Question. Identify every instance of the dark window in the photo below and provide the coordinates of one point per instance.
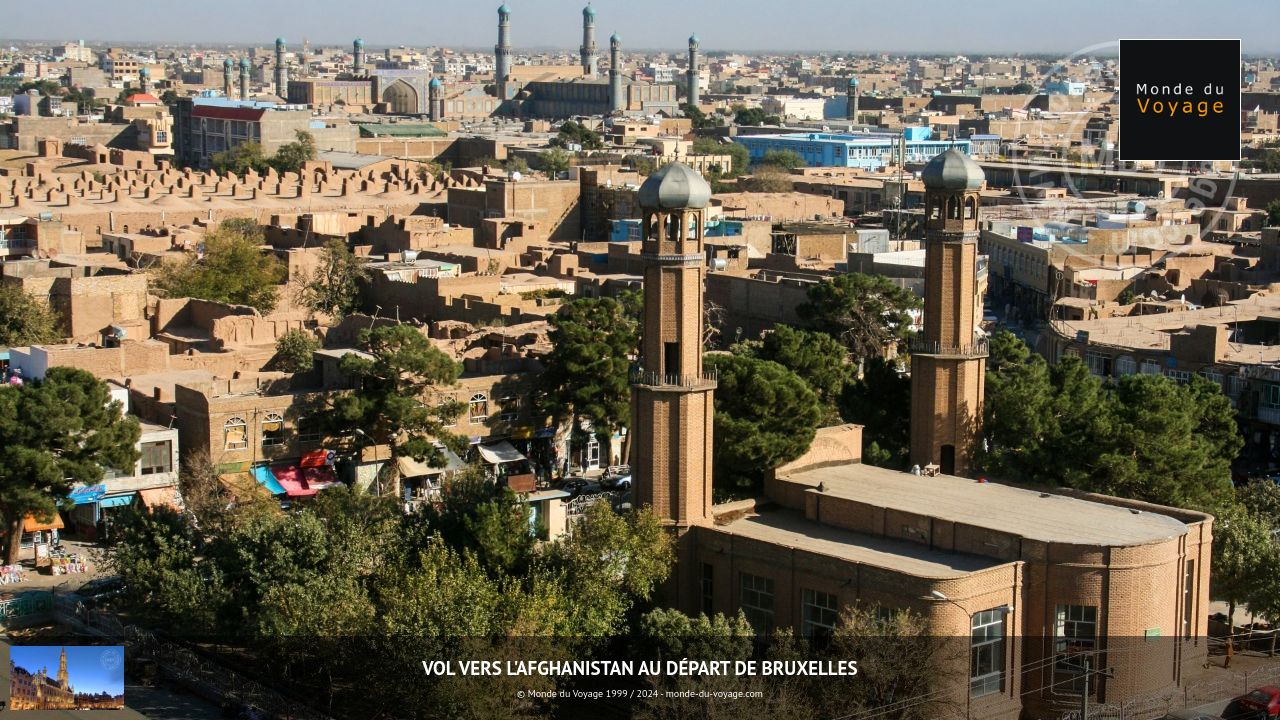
(986, 652)
(157, 457)
(671, 362)
(948, 460)
(757, 602)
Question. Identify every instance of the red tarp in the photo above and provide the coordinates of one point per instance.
(304, 482)
(315, 458)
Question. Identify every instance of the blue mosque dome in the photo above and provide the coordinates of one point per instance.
(435, 83)
(244, 63)
(504, 10)
(693, 39)
(589, 12)
(615, 38)
(226, 64)
(853, 82)
(279, 41)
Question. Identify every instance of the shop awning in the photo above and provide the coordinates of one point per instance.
(410, 468)
(31, 524)
(115, 501)
(500, 452)
(267, 479)
(305, 482)
(85, 495)
(158, 497)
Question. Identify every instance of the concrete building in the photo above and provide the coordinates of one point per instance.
(204, 127)
(871, 152)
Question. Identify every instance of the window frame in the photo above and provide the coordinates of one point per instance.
(156, 445)
(756, 595)
(235, 421)
(271, 438)
(987, 651)
(817, 617)
(481, 399)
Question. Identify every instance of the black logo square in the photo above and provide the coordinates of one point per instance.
(1179, 100)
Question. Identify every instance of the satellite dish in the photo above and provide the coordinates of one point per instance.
(515, 176)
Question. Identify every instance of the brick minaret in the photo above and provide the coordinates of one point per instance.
(590, 61)
(672, 406)
(502, 54)
(949, 362)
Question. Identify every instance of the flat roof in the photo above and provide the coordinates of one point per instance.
(1003, 508)
(789, 528)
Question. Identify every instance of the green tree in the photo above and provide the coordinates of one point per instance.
(818, 359)
(44, 87)
(1262, 499)
(880, 401)
(1169, 443)
(333, 288)
(515, 164)
(295, 351)
(25, 320)
(768, 179)
(867, 313)
(1273, 213)
(765, 416)
(58, 432)
(785, 159)
(292, 155)
(587, 372)
(390, 406)
(1244, 554)
(241, 159)
(234, 270)
(555, 161)
(1143, 437)
(1022, 88)
(575, 133)
(755, 116)
(1267, 162)
(710, 146)
(165, 578)
(642, 164)
(698, 118)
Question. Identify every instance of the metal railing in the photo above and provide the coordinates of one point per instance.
(644, 377)
(923, 347)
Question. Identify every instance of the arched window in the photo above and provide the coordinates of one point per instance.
(953, 209)
(272, 430)
(235, 434)
(478, 408)
(971, 209)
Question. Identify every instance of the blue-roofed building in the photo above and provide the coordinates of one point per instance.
(869, 151)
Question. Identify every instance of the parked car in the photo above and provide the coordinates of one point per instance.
(581, 486)
(1262, 703)
(617, 477)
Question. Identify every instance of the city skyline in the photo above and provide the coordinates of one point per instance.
(86, 671)
(1001, 26)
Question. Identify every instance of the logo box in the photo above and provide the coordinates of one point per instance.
(1179, 100)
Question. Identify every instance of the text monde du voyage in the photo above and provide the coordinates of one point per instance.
(743, 668)
(1180, 99)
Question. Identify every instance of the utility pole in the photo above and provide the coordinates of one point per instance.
(1084, 695)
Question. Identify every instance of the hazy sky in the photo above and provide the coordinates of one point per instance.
(1033, 26)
